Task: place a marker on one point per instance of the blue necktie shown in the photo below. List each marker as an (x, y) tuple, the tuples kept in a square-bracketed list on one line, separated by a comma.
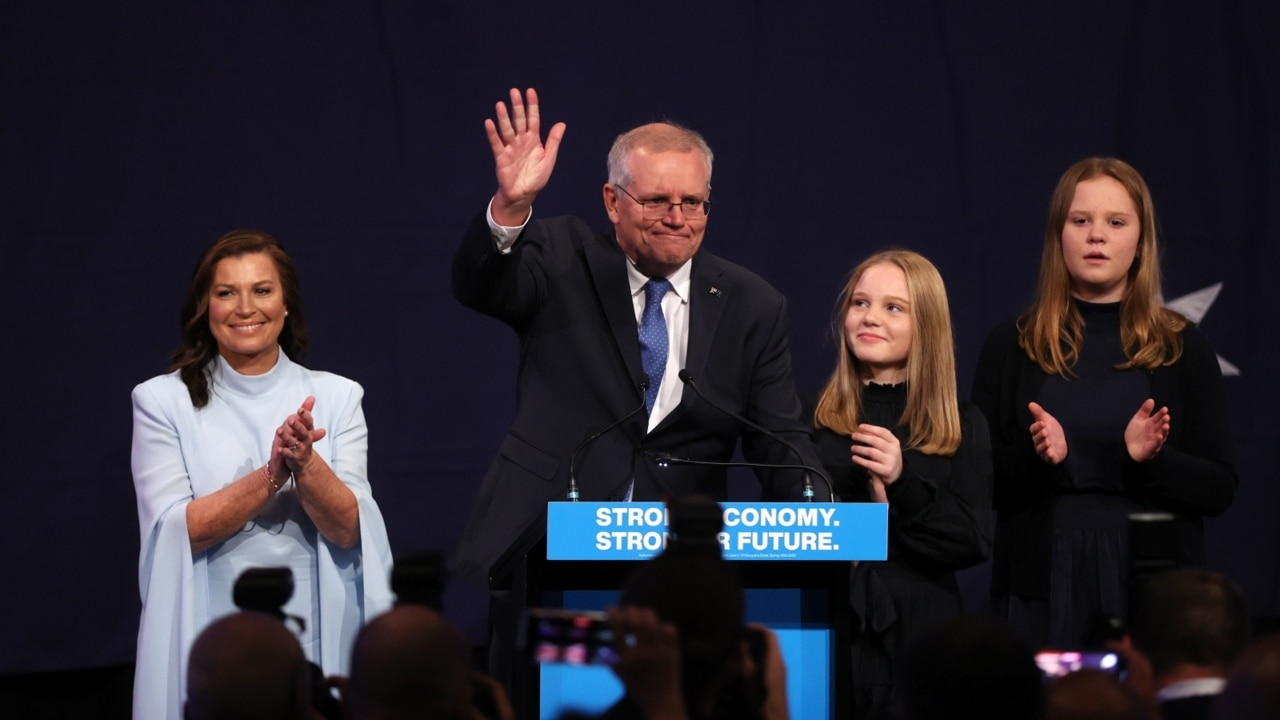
[(653, 338)]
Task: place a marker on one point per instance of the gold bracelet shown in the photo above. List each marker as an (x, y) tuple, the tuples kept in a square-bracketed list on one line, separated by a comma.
[(272, 488)]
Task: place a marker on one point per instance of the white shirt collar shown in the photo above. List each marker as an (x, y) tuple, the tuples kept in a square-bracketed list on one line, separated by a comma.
[(1191, 688), (680, 279)]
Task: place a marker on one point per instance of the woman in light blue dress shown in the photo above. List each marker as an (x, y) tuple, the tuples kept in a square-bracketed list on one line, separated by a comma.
[(243, 458)]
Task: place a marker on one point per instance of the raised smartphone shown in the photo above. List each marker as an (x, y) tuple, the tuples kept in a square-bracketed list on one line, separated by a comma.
[(574, 637)]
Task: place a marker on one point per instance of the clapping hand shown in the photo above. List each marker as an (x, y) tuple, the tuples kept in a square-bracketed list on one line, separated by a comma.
[(522, 162), (1047, 436), (877, 449), (296, 436), (1147, 431)]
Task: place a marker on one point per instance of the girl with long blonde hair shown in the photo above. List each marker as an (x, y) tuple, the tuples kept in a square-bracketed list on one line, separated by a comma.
[(890, 428)]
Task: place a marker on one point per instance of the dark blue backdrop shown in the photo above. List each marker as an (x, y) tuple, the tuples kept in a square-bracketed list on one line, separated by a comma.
[(132, 134)]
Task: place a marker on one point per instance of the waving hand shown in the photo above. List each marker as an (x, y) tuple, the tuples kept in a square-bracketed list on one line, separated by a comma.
[(521, 161)]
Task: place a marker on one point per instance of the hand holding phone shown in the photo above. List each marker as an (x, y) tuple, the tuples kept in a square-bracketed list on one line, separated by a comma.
[(649, 663)]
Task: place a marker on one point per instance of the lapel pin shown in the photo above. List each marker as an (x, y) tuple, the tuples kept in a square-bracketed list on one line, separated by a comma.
[(715, 291)]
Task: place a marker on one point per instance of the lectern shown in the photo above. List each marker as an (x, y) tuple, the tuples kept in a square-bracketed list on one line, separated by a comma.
[(794, 560)]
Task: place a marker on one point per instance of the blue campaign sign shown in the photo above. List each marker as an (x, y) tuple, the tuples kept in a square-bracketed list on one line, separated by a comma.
[(752, 531)]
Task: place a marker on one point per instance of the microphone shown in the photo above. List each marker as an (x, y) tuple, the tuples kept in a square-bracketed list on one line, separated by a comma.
[(687, 379), (571, 493)]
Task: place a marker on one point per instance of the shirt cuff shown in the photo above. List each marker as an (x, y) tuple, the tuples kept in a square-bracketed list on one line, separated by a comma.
[(503, 236)]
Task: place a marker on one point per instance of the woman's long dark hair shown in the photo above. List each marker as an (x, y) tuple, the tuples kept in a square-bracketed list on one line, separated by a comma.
[(191, 358)]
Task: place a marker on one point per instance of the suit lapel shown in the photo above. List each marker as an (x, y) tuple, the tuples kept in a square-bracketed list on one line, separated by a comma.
[(608, 267)]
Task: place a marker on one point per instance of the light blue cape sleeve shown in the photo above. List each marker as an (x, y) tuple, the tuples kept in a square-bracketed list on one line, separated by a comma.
[(172, 584)]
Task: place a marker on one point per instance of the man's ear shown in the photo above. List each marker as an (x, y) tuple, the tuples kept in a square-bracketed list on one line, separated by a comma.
[(610, 194)]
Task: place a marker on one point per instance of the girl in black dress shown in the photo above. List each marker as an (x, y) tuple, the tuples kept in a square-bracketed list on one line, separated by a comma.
[(890, 428), (1102, 403)]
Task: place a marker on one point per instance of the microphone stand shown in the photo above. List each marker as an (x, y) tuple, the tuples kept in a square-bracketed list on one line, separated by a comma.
[(571, 493), (687, 379)]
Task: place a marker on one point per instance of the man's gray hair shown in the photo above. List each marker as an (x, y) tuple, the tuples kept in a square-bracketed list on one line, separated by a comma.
[(665, 136)]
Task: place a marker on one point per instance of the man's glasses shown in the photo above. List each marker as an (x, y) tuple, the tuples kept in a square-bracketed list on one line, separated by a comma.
[(659, 208)]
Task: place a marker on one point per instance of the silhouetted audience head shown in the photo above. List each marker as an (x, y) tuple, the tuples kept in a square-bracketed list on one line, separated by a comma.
[(247, 666), (409, 662), (1190, 619), (1092, 695), (1253, 686), (970, 667), (691, 586), (702, 598)]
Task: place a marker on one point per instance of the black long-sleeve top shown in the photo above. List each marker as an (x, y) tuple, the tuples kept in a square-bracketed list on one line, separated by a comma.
[(939, 509), (1192, 476), (939, 522)]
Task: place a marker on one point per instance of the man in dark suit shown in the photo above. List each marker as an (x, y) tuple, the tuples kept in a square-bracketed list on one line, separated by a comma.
[(607, 322)]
